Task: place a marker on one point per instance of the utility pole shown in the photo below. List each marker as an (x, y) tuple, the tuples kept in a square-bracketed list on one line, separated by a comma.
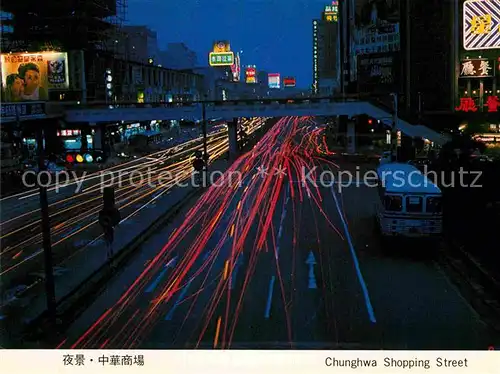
[(47, 245), (205, 141)]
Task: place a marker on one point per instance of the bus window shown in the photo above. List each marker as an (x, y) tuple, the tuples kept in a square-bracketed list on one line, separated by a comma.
[(434, 205), (414, 204), (394, 203)]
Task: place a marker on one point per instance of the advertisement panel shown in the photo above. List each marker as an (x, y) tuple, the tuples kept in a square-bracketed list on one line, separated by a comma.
[(236, 68), (29, 76), (221, 58), (477, 68), (251, 74), (274, 80), (221, 46), (221, 54), (481, 24), (289, 82), (331, 12), (378, 72)]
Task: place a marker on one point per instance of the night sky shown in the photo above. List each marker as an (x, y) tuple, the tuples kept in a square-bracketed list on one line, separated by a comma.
[(275, 35)]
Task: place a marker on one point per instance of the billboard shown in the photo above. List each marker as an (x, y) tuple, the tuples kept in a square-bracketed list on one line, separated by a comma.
[(481, 24), (274, 80), (251, 74), (236, 68), (221, 59), (289, 82), (30, 76), (221, 54), (221, 47), (331, 13), (378, 72), (477, 68)]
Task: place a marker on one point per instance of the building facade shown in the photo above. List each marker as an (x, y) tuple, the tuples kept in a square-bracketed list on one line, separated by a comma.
[(178, 56), (139, 44), (326, 52)]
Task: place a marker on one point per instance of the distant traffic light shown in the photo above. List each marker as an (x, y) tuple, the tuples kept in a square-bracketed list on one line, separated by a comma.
[(370, 121)]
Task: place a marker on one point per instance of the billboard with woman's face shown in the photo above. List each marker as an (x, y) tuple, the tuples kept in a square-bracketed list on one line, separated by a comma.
[(30, 76)]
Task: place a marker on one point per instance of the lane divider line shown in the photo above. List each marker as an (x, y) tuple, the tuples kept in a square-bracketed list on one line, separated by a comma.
[(364, 288), (269, 297)]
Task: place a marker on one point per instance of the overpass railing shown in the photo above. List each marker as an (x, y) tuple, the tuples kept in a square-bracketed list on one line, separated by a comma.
[(68, 105)]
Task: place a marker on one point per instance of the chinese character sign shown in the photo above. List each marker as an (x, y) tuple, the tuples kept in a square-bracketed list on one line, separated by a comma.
[(221, 59), (477, 68), (250, 75), (492, 102), (468, 104), (481, 24), (30, 76)]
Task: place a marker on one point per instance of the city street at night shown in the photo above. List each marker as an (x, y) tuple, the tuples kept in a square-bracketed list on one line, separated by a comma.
[(275, 263), (256, 186)]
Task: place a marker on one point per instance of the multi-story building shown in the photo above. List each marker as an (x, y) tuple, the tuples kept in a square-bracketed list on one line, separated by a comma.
[(60, 24), (143, 82), (178, 56), (326, 63), (139, 44), (375, 45)]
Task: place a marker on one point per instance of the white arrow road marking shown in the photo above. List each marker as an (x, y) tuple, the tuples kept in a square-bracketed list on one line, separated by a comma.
[(311, 261)]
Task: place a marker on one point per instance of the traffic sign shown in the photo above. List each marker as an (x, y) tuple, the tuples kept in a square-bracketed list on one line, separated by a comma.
[(481, 24)]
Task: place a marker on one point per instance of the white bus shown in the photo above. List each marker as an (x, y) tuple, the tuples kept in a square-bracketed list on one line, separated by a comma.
[(409, 204)]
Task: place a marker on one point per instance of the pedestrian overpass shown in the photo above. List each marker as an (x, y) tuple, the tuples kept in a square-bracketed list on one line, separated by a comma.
[(194, 111)]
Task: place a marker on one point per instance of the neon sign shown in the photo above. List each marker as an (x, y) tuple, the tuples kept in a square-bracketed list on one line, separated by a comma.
[(481, 24), (467, 104)]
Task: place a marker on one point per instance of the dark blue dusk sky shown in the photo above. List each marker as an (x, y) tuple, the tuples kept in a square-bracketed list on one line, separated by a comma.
[(275, 35)]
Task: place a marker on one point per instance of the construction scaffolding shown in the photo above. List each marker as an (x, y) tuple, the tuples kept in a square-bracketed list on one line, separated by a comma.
[(63, 24), (113, 41)]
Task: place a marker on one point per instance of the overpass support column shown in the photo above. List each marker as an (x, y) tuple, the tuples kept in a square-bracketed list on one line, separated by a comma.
[(232, 129)]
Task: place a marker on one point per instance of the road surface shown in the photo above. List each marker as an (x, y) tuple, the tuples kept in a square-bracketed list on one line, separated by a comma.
[(74, 207), (275, 260)]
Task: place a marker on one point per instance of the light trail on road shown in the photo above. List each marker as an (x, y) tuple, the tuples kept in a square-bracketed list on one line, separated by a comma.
[(75, 214), (230, 221)]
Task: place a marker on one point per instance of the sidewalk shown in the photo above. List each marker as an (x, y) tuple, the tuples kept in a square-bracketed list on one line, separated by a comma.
[(72, 272)]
